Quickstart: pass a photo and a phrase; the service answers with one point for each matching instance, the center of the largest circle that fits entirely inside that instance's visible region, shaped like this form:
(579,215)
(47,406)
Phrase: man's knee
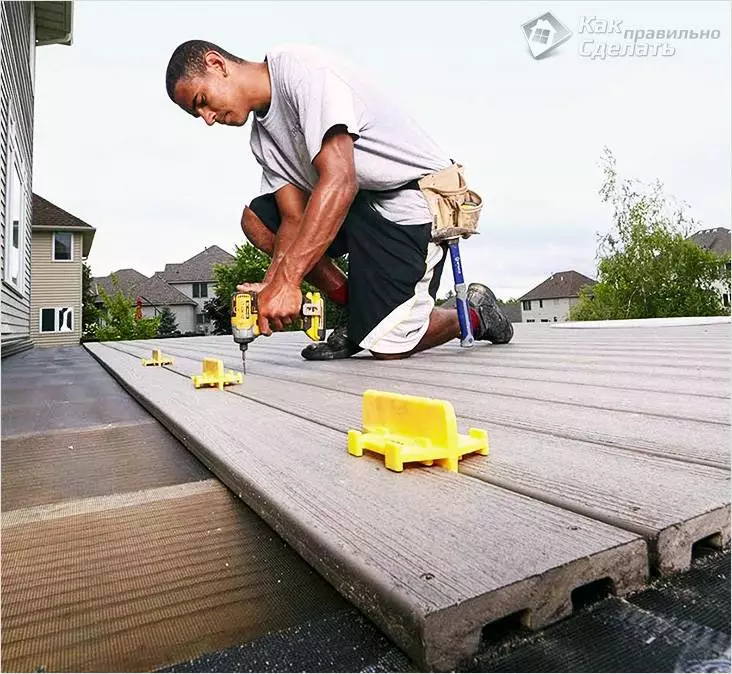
(256,231)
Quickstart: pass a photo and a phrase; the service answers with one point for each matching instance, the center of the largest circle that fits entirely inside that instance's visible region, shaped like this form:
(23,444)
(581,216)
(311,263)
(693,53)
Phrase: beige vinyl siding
(185,315)
(187,290)
(55,284)
(16,103)
(553,308)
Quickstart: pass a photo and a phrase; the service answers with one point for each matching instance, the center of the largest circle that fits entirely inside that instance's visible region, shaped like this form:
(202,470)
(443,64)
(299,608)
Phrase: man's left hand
(278,303)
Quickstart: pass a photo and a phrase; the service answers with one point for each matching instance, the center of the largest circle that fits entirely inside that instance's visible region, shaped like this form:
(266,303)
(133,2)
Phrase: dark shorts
(393,274)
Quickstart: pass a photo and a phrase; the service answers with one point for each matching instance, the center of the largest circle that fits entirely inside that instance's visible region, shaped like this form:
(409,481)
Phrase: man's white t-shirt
(313,91)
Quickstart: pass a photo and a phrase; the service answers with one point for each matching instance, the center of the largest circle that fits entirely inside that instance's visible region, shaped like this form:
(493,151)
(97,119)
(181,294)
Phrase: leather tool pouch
(455,209)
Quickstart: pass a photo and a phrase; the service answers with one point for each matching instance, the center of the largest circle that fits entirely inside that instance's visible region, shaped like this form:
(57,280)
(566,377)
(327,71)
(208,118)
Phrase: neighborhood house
(551,300)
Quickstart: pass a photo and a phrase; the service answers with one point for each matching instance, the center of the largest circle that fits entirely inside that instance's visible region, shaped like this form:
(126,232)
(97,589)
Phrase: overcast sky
(159,185)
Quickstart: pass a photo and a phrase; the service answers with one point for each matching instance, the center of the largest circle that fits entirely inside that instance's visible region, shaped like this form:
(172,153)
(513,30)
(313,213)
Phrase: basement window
(57,319)
(62,246)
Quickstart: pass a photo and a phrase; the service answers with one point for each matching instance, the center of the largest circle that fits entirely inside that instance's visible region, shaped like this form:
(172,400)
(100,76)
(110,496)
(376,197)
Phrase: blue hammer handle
(461,293)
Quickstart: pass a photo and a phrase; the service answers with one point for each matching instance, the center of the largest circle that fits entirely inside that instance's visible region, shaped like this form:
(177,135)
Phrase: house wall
(553,308)
(55,284)
(187,290)
(185,315)
(17,33)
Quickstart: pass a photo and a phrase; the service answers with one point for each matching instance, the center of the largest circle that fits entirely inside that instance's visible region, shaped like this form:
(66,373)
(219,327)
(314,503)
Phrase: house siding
(185,315)
(553,308)
(55,284)
(187,290)
(16,104)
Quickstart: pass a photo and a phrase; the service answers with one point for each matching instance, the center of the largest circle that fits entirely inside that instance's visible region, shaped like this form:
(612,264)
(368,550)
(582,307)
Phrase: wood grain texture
(138,582)
(73,464)
(430,556)
(671,503)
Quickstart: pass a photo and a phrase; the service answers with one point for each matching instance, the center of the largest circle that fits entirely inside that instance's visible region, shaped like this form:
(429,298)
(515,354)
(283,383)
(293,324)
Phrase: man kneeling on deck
(340,166)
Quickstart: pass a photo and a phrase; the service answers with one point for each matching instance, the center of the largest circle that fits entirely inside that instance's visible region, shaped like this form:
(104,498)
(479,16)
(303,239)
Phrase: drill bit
(243,348)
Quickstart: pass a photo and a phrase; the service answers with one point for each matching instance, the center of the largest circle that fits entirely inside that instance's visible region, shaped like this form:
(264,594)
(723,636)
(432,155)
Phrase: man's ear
(214,61)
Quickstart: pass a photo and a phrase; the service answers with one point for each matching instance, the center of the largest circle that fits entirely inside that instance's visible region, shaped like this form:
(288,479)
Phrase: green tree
(117,318)
(168,325)
(647,267)
(219,315)
(89,311)
(250,266)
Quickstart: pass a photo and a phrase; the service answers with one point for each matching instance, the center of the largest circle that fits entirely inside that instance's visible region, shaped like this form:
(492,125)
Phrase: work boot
(337,346)
(493,326)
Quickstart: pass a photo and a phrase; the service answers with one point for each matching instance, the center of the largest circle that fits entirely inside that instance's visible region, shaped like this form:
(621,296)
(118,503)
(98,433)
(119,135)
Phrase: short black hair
(187,61)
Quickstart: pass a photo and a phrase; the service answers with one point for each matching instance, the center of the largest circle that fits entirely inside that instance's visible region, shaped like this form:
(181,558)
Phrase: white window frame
(15,163)
(56,327)
(53,246)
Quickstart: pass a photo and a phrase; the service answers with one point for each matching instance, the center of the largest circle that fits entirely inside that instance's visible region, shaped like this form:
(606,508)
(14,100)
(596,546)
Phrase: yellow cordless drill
(245,315)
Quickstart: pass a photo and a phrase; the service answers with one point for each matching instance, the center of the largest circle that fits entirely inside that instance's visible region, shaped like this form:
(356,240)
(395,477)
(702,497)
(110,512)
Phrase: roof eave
(54,23)
(63,228)
(544,297)
(87,239)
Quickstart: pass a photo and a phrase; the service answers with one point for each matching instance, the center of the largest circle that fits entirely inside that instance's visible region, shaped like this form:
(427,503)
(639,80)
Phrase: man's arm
(326,209)
(291,203)
(280,298)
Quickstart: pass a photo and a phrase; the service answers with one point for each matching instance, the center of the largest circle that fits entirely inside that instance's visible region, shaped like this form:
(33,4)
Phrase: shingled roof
(153,291)
(197,269)
(717,240)
(559,285)
(49,217)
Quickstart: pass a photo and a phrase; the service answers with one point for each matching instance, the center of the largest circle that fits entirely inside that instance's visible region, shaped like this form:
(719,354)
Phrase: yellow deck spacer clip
(157,359)
(214,375)
(409,428)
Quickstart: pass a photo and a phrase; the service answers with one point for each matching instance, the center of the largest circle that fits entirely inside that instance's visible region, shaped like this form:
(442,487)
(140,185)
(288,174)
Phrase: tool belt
(455,209)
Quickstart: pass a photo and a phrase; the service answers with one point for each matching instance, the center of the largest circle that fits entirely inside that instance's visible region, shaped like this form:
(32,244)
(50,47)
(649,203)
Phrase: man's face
(213,96)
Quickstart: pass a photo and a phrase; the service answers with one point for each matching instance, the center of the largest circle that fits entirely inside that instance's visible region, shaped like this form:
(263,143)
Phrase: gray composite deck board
(683,439)
(696,407)
(671,503)
(430,556)
(708,382)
